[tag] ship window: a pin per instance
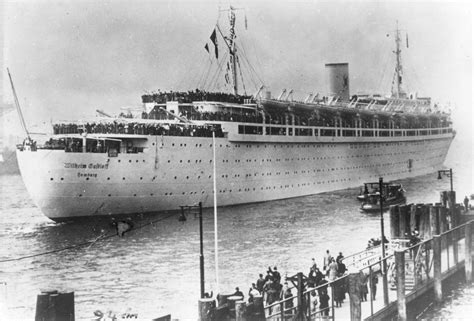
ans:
(123, 178)
(129, 160)
(62, 179)
(119, 160)
(141, 178)
(87, 178)
(109, 195)
(51, 179)
(108, 178)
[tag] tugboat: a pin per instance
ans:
(369, 188)
(393, 194)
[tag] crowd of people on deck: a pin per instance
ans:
(272, 288)
(196, 95)
(244, 117)
(139, 129)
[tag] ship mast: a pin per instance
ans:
(398, 68)
(233, 51)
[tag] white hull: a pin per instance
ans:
(174, 171)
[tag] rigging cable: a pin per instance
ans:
(241, 77)
(91, 242)
(250, 65)
(204, 76)
(218, 71)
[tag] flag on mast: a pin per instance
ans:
(214, 41)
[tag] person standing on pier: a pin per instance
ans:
(260, 283)
(363, 288)
(276, 275)
(373, 285)
(327, 260)
(324, 303)
(332, 270)
(466, 203)
(313, 265)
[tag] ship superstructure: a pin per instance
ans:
(266, 148)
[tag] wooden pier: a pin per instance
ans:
(415, 269)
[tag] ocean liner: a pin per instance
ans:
(265, 148)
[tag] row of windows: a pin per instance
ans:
(285, 173)
(262, 188)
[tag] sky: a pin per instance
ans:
(69, 58)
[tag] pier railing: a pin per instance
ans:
(425, 265)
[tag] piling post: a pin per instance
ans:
(443, 220)
(437, 268)
(207, 309)
(468, 252)
(403, 221)
(42, 305)
(394, 222)
(354, 282)
(240, 309)
(454, 241)
(258, 309)
(401, 299)
(433, 221)
(413, 225)
(54, 306)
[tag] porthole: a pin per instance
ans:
(51, 179)
(108, 178)
(62, 179)
(109, 195)
(123, 178)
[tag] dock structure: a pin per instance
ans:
(442, 249)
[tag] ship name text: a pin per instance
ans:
(84, 166)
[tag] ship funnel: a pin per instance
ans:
(338, 80)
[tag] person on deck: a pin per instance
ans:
(466, 203)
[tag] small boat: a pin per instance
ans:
(393, 194)
(369, 188)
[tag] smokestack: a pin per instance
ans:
(338, 80)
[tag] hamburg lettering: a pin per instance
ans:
(86, 174)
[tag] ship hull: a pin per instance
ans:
(175, 171)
